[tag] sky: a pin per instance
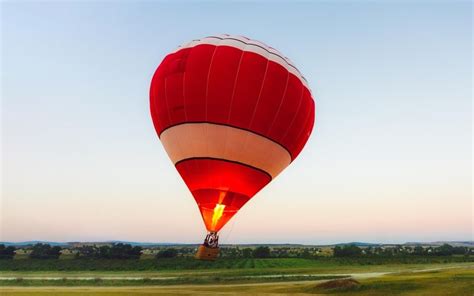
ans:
(389, 159)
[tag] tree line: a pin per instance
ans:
(443, 250)
(46, 251)
(127, 251)
(114, 251)
(38, 251)
(259, 252)
(123, 251)
(7, 252)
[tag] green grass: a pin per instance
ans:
(98, 282)
(180, 263)
(187, 276)
(195, 268)
(451, 282)
(444, 282)
(189, 263)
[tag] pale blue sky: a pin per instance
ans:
(390, 158)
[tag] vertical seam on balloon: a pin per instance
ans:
(158, 120)
(308, 117)
(232, 98)
(184, 96)
(155, 110)
(294, 117)
(207, 81)
(207, 89)
(279, 107)
(197, 165)
(207, 92)
(276, 115)
(311, 118)
(235, 84)
(306, 130)
(259, 94)
(166, 100)
(245, 145)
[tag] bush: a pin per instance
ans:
(247, 253)
(45, 251)
(87, 252)
(123, 251)
(261, 252)
(7, 252)
(444, 250)
(347, 251)
(116, 251)
(418, 250)
(167, 253)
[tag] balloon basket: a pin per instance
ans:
(209, 250)
(206, 253)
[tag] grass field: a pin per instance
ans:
(177, 267)
(186, 276)
(455, 282)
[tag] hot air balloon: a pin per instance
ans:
(231, 113)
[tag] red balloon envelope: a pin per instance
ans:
(232, 113)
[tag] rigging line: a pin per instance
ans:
(230, 230)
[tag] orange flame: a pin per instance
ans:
(218, 211)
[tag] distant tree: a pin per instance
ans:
(261, 252)
(45, 251)
(347, 251)
(369, 250)
(135, 252)
(125, 251)
(7, 252)
(407, 250)
(234, 252)
(119, 251)
(247, 253)
(305, 253)
(418, 250)
(444, 250)
(104, 252)
(460, 250)
(397, 250)
(230, 252)
(378, 250)
(167, 253)
(87, 252)
(387, 252)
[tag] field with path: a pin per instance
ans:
(186, 276)
(452, 281)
